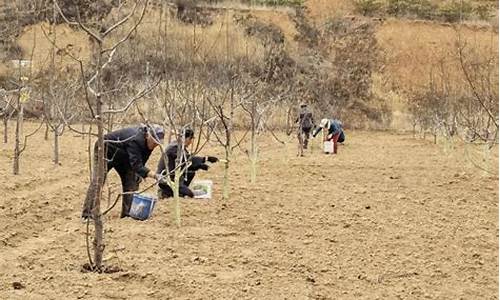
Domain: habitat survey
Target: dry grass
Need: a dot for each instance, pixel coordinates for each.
(282, 20)
(197, 44)
(321, 10)
(237, 5)
(35, 44)
(223, 39)
(413, 49)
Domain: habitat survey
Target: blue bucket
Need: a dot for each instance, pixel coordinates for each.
(142, 207)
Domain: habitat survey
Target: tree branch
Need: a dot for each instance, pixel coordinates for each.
(79, 24)
(132, 101)
(125, 19)
(126, 37)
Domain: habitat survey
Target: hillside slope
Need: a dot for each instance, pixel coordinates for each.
(410, 49)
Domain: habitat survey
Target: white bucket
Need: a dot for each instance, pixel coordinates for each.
(328, 147)
(202, 189)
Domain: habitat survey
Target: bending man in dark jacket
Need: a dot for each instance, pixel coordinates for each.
(126, 150)
(171, 155)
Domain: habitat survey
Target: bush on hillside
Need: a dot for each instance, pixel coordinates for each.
(422, 9)
(368, 7)
(483, 11)
(451, 12)
(456, 11)
(276, 2)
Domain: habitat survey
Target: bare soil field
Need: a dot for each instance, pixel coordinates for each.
(390, 217)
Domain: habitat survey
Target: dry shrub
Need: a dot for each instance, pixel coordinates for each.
(172, 46)
(322, 10)
(188, 12)
(465, 98)
(335, 72)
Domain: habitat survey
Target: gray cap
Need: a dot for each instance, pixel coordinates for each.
(156, 131)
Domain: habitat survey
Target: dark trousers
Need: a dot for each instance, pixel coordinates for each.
(128, 178)
(341, 137)
(166, 191)
(305, 132)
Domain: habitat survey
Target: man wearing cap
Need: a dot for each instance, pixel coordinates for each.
(333, 131)
(187, 175)
(306, 123)
(126, 150)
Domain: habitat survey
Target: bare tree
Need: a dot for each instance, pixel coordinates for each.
(21, 139)
(182, 105)
(224, 104)
(6, 112)
(61, 107)
(461, 99)
(257, 106)
(93, 87)
(481, 77)
(23, 82)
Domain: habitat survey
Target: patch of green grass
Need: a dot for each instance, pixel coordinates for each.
(449, 11)
(275, 2)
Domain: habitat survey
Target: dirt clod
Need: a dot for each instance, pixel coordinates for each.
(18, 285)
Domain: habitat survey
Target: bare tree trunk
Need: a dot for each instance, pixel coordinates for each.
(56, 145)
(5, 130)
(89, 153)
(229, 131)
(177, 202)
(110, 118)
(17, 146)
(225, 182)
(253, 157)
(46, 137)
(99, 170)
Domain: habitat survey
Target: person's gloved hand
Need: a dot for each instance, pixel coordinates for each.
(315, 131)
(204, 167)
(212, 159)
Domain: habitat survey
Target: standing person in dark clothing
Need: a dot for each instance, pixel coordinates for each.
(126, 150)
(333, 131)
(306, 123)
(171, 156)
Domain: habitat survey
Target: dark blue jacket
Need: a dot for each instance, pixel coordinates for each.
(335, 127)
(171, 157)
(127, 148)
